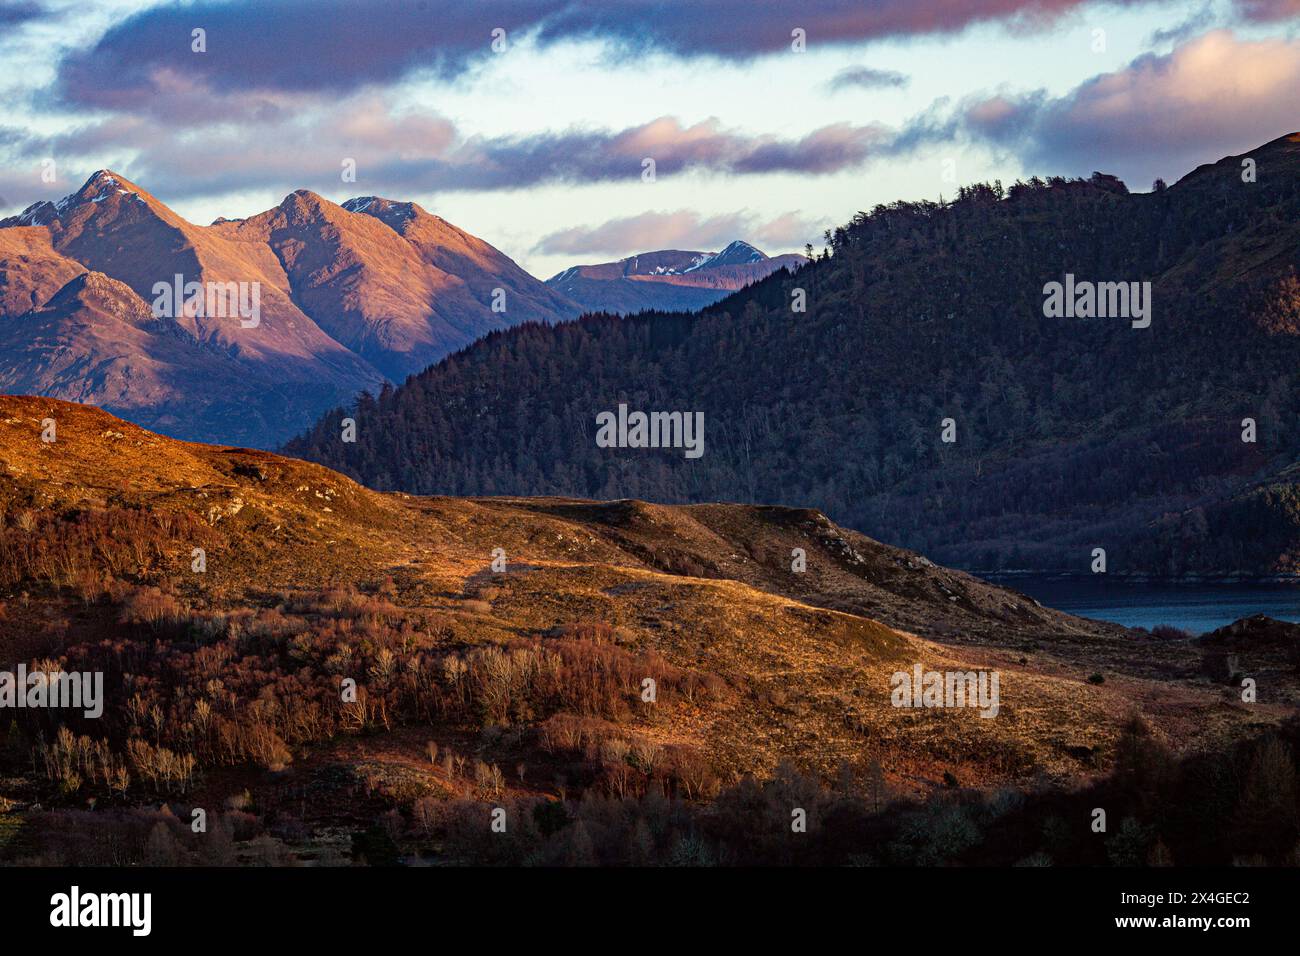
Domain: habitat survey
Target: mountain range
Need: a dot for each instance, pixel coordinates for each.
(351, 296)
(916, 383)
(668, 280)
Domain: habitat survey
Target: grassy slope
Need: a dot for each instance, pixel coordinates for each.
(804, 659)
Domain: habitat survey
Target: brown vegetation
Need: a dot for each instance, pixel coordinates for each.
(353, 671)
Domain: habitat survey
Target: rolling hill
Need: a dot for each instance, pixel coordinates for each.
(499, 650)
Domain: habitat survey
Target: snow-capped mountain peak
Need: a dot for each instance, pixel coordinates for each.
(736, 253)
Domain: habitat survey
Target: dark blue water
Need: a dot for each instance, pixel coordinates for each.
(1194, 608)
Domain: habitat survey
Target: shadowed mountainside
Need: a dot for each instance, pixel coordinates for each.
(1068, 433)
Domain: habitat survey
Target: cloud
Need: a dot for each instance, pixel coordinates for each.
(1161, 115)
(335, 46)
(404, 153)
(1267, 11)
(864, 77)
(682, 229)
(582, 156)
(279, 153)
(292, 46)
(602, 156)
(13, 14)
(274, 103)
(1188, 28)
(317, 46)
(643, 233)
(740, 29)
(790, 230)
(19, 188)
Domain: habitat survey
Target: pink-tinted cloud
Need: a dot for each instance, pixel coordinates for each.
(1160, 116)
(303, 150)
(403, 153)
(581, 156)
(1268, 11)
(682, 229)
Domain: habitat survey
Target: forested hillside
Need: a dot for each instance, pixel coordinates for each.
(1071, 433)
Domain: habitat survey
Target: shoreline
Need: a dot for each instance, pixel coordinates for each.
(1137, 578)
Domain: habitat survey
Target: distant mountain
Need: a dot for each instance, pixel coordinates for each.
(930, 321)
(668, 280)
(349, 296)
(736, 254)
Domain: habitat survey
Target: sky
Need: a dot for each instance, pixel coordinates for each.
(530, 122)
